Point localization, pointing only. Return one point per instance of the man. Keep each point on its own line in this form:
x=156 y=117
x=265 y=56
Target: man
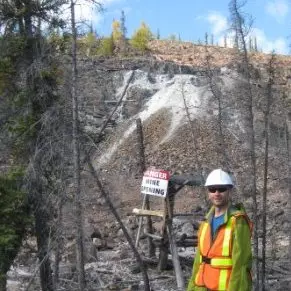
x=223 y=258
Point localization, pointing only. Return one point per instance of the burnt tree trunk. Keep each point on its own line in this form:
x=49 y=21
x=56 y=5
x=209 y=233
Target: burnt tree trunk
x=288 y=150
x=76 y=158
x=266 y=166
x=42 y=236
x=238 y=25
x=217 y=94
x=149 y=224
x=58 y=244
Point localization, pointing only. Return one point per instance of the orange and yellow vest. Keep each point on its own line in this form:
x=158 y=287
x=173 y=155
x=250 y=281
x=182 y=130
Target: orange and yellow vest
x=215 y=257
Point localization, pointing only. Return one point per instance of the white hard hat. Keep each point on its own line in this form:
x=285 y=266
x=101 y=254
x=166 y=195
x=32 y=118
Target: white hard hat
x=218 y=177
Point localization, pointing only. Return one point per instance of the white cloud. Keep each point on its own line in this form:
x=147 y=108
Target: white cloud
x=84 y=10
x=107 y=2
x=278 y=45
x=219 y=26
x=278 y=9
x=218 y=22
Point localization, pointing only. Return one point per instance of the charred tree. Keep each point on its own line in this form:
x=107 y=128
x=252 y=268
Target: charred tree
x=241 y=29
x=269 y=93
x=193 y=130
x=76 y=157
x=288 y=151
x=146 y=202
x=218 y=95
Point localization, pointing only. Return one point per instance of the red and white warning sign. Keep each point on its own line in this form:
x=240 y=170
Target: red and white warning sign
x=155 y=182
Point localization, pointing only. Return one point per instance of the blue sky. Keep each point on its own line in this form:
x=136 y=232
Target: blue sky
x=191 y=19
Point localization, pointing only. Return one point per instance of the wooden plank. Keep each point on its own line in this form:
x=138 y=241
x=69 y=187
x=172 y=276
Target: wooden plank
x=146 y=212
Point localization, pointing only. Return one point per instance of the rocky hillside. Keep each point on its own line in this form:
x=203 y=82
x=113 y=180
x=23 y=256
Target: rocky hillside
x=169 y=90
x=186 y=53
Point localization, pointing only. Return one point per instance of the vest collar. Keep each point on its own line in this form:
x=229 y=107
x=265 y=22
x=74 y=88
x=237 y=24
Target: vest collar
x=231 y=211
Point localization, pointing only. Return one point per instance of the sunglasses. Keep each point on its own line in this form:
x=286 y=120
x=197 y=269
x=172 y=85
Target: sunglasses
x=218 y=189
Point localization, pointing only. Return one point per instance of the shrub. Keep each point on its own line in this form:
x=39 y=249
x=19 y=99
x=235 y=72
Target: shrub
x=106 y=46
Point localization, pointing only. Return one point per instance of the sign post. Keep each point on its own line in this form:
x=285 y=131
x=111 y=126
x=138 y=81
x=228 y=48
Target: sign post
x=155 y=182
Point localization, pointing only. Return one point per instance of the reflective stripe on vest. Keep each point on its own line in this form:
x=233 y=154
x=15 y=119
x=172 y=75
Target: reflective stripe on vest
x=215 y=256
x=203 y=233
x=222 y=280
x=227 y=238
x=217 y=262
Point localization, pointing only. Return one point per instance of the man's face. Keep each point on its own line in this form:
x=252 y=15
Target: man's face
x=218 y=195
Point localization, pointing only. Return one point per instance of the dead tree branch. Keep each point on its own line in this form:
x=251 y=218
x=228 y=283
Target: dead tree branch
x=118 y=219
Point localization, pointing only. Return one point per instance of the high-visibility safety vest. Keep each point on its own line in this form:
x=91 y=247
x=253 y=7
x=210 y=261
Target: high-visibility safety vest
x=215 y=257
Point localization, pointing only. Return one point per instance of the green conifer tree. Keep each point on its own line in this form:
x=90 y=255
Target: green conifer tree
x=14 y=220
x=158 y=34
x=122 y=25
x=141 y=37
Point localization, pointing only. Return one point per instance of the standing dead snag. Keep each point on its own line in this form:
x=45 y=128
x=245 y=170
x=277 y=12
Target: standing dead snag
x=76 y=157
x=238 y=23
x=146 y=201
x=288 y=150
x=266 y=164
x=194 y=130
x=217 y=94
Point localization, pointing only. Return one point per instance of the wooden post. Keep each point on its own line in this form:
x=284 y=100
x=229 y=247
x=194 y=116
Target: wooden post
x=164 y=246
x=146 y=202
x=140 y=145
x=175 y=257
x=139 y=224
